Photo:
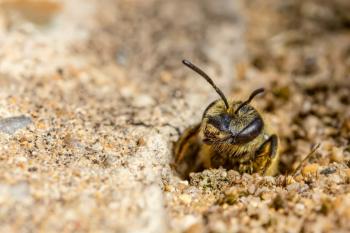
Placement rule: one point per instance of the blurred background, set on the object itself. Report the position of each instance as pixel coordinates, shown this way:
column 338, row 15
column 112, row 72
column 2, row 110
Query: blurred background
column 105, row 95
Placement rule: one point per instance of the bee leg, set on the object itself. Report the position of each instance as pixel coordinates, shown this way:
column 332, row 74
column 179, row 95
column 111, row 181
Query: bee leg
column 181, row 145
column 186, row 150
column 266, row 157
column 247, row 167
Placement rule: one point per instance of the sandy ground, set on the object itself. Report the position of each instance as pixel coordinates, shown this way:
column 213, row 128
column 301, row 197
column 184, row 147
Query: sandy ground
column 93, row 95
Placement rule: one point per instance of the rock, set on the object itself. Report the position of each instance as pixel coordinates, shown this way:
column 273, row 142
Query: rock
column 11, row 124
column 185, row 198
column 143, row 101
column 310, row 169
column 328, row 170
column 337, row 154
column 195, row 228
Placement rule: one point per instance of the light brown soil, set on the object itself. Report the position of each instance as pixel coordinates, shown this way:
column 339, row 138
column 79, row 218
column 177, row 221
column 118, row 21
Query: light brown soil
column 106, row 96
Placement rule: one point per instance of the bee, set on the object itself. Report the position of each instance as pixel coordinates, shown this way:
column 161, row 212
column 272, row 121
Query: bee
column 232, row 135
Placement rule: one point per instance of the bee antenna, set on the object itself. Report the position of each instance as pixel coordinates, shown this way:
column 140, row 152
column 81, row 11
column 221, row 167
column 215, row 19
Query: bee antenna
column 209, row 80
column 251, row 97
column 313, row 150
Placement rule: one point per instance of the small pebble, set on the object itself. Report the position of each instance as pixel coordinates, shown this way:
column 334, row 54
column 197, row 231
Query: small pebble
column 251, row 189
column 166, row 77
column 185, row 198
column 141, row 142
column 293, row 187
column 347, row 172
column 299, row 208
column 169, row 188
column 143, row 100
column 21, row 161
column 337, row 154
column 310, row 169
column 11, row 124
column 336, row 179
column 328, row 170
column 195, row 228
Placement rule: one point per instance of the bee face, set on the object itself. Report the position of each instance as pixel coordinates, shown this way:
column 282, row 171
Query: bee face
column 232, row 135
column 236, row 125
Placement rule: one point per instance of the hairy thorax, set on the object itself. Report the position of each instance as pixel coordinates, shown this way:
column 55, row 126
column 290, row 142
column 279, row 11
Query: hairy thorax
column 228, row 155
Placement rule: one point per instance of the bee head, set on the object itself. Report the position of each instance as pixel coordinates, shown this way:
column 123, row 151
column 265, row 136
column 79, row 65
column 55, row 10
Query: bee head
column 235, row 123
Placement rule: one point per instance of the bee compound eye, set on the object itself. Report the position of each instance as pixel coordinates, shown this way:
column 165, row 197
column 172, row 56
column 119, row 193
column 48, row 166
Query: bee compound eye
column 221, row 122
column 248, row 133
